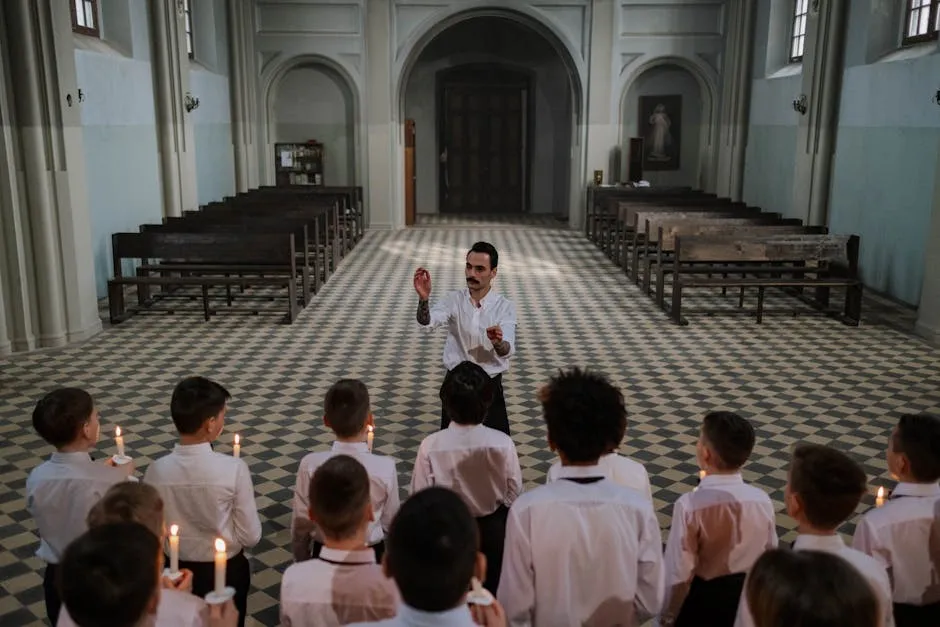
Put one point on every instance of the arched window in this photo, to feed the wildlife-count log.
(922, 21)
(798, 30)
(85, 17)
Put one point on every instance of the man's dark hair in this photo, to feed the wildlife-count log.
(918, 438)
(487, 248)
(431, 550)
(467, 393)
(829, 483)
(585, 414)
(195, 400)
(60, 414)
(339, 494)
(347, 407)
(730, 437)
(109, 574)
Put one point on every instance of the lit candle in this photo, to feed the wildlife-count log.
(370, 437)
(880, 497)
(701, 474)
(220, 560)
(174, 548)
(119, 440)
(237, 448)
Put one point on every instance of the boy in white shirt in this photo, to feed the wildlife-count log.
(823, 489)
(343, 584)
(61, 491)
(477, 462)
(904, 534)
(582, 550)
(718, 530)
(209, 495)
(347, 413)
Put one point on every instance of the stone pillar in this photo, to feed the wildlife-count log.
(252, 69)
(928, 314)
(735, 99)
(242, 76)
(602, 117)
(383, 201)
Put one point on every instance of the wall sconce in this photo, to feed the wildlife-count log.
(81, 97)
(190, 103)
(936, 97)
(799, 105)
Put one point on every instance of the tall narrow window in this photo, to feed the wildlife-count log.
(188, 15)
(798, 32)
(923, 21)
(85, 17)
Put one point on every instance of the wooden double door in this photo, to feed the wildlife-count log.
(483, 148)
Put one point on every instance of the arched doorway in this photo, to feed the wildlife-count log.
(496, 100)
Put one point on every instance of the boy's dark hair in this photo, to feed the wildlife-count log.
(109, 574)
(339, 493)
(60, 414)
(195, 400)
(467, 393)
(432, 550)
(809, 588)
(730, 436)
(918, 438)
(129, 501)
(585, 414)
(347, 407)
(488, 249)
(829, 482)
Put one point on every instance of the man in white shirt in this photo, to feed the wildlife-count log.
(904, 534)
(209, 495)
(481, 325)
(582, 550)
(824, 487)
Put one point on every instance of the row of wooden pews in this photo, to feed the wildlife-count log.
(671, 240)
(269, 245)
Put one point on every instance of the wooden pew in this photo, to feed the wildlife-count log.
(782, 261)
(272, 256)
(351, 206)
(597, 201)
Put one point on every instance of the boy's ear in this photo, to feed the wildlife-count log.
(794, 505)
(326, 422)
(904, 464)
(369, 513)
(479, 568)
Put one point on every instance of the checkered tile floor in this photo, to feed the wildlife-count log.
(800, 378)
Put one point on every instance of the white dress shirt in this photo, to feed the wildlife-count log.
(209, 495)
(460, 616)
(869, 568)
(477, 462)
(59, 494)
(176, 609)
(719, 529)
(466, 329)
(337, 588)
(619, 469)
(904, 536)
(581, 554)
(383, 488)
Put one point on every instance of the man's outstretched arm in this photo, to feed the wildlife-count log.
(424, 312)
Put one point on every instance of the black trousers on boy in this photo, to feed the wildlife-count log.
(916, 615)
(492, 540)
(237, 575)
(496, 417)
(53, 600)
(712, 602)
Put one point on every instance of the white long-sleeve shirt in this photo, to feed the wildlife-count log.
(619, 469)
(581, 554)
(175, 609)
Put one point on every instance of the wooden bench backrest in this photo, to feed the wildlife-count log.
(650, 223)
(635, 220)
(598, 196)
(297, 226)
(726, 227)
(221, 248)
(614, 204)
(840, 249)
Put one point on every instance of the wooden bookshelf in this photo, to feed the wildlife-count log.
(298, 163)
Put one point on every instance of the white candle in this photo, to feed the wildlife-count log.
(220, 561)
(880, 497)
(119, 440)
(701, 474)
(237, 448)
(174, 548)
(370, 437)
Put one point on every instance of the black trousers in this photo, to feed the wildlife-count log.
(378, 547)
(492, 540)
(712, 602)
(916, 615)
(53, 600)
(496, 417)
(237, 575)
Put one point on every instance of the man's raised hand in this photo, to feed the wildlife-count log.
(422, 283)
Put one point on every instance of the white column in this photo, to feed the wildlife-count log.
(928, 314)
(602, 114)
(236, 43)
(383, 203)
(162, 66)
(735, 99)
(252, 69)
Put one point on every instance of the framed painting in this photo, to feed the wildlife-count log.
(660, 125)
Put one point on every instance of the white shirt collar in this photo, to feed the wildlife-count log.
(363, 556)
(203, 448)
(74, 457)
(458, 617)
(717, 480)
(459, 427)
(916, 489)
(581, 471)
(809, 542)
(490, 297)
(350, 447)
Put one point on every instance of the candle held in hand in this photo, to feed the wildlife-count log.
(237, 448)
(220, 561)
(174, 549)
(370, 437)
(880, 497)
(119, 440)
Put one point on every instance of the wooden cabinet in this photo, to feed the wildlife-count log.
(298, 163)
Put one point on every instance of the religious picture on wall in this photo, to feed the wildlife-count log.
(660, 124)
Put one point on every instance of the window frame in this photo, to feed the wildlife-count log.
(188, 28)
(794, 17)
(933, 21)
(94, 31)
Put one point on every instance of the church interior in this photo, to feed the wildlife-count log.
(380, 136)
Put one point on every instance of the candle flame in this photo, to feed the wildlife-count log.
(701, 474)
(220, 545)
(174, 530)
(237, 439)
(881, 492)
(117, 432)
(371, 428)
